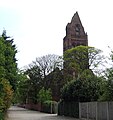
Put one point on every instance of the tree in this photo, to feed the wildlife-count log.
(35, 82)
(108, 84)
(96, 60)
(77, 59)
(10, 64)
(48, 63)
(44, 72)
(21, 95)
(21, 92)
(85, 88)
(8, 68)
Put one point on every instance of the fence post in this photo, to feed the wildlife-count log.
(87, 112)
(96, 112)
(51, 107)
(79, 110)
(107, 110)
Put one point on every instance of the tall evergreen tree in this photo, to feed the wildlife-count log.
(8, 68)
(9, 62)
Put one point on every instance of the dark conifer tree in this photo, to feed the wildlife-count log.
(10, 64)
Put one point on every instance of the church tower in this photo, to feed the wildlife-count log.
(75, 34)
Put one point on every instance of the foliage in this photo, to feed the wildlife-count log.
(78, 56)
(35, 76)
(8, 68)
(20, 95)
(41, 73)
(6, 93)
(2, 115)
(44, 72)
(10, 60)
(34, 82)
(85, 88)
(22, 92)
(108, 87)
(77, 59)
(44, 95)
(2, 57)
(96, 58)
(8, 65)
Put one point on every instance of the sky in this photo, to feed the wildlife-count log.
(38, 26)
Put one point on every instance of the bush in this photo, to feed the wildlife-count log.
(85, 88)
(44, 95)
(5, 95)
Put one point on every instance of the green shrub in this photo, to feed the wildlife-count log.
(44, 95)
(5, 95)
(85, 88)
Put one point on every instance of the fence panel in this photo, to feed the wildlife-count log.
(92, 110)
(96, 110)
(102, 110)
(87, 110)
(68, 109)
(83, 110)
(110, 110)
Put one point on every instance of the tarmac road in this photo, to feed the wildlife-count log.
(17, 113)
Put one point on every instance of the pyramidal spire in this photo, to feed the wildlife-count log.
(75, 16)
(76, 19)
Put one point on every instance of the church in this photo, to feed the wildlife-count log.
(75, 34)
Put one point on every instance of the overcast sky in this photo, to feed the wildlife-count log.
(38, 26)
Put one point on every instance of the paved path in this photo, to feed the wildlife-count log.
(16, 113)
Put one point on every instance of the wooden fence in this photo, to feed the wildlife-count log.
(68, 109)
(96, 110)
(51, 108)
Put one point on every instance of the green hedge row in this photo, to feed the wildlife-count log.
(68, 109)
